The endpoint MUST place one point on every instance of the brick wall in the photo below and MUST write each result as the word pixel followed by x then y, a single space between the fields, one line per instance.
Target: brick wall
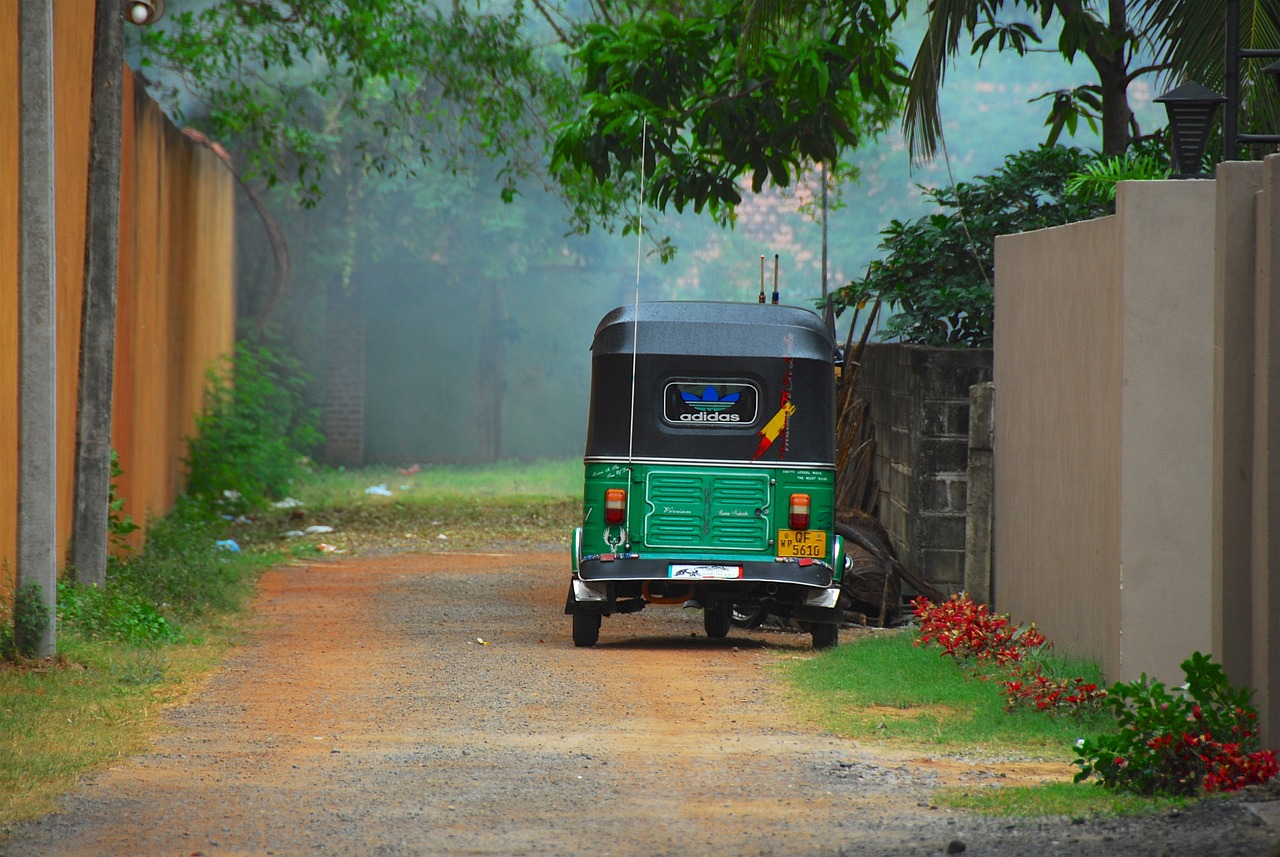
pixel 919 400
pixel 343 410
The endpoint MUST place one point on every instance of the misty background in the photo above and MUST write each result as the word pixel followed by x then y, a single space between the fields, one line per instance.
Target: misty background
pixel 477 315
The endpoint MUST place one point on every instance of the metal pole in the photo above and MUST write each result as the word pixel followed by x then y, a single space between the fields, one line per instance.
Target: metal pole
pixel 37 324
pixel 827 315
pixel 98 314
pixel 1231 116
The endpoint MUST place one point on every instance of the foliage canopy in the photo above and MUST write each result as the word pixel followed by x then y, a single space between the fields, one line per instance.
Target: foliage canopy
pixel 677 96
pixel 413 83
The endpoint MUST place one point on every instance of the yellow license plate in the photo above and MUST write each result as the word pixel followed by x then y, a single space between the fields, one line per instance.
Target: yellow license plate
pixel 810 543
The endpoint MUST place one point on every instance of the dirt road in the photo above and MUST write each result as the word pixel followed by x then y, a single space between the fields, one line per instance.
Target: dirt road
pixel 434 704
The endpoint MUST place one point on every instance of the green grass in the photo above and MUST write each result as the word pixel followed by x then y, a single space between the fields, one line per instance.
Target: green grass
pixel 446 507
pixel 884 689
pixel 887 688
pixel 340 488
pixel 93 705
pixel 1078 801
pixel 164 619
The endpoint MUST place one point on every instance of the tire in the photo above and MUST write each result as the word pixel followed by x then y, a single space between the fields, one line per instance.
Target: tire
pixel 586 628
pixel 825 636
pixel 748 616
pixel 715 618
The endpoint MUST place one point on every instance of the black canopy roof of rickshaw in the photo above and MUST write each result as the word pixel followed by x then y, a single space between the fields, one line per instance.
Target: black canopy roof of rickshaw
pixel 715 329
pixel 773 354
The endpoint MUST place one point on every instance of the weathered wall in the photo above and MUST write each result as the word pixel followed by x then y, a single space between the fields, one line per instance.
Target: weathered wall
pixel 919 399
pixel 1233 606
pixel 1263 625
pixel 1104 430
pixel 176 285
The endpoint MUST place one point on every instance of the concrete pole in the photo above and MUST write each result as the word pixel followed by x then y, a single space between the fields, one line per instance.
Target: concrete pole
pixel 98 315
pixel 37 323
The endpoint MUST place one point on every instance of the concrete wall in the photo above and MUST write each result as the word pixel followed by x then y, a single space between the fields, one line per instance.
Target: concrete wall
pixel 1166 519
pixel 1109 454
pixel 1236 238
pixel 1263 613
pixel 1057 427
pixel 919 403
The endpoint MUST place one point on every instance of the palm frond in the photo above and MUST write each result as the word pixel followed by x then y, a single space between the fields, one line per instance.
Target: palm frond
pixel 949 21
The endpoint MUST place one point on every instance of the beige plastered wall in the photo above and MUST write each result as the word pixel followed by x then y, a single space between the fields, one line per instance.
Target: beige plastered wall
pixel 1104 461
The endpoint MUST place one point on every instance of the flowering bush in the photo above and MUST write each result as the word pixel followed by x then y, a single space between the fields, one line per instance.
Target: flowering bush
pixel 972 634
pixel 1177 744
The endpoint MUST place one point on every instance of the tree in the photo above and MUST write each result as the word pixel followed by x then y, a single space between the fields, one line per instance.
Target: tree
pixel 677 97
pixel 425 84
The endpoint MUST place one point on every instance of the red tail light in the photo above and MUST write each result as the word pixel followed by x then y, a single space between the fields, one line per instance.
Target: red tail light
pixel 799 511
pixel 615 506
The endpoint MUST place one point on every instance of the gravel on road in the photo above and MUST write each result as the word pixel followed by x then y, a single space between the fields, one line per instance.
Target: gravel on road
pixel 434 704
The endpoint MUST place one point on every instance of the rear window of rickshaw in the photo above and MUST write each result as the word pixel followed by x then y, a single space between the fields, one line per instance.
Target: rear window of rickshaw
pixel 710 403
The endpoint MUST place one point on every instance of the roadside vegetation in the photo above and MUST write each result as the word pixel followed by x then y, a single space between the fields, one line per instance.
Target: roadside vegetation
pixel 963 681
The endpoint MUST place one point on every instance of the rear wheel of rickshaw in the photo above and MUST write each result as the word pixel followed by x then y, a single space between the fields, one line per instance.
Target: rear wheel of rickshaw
pixel 715 618
pixel 586 628
pixel 745 616
pixel 825 636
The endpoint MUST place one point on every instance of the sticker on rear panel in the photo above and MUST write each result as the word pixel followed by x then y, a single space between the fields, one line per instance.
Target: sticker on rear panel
pixel 697 403
pixel 704 572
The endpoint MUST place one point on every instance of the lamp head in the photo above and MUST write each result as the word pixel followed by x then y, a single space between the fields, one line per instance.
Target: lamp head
pixel 1192 109
pixel 143 12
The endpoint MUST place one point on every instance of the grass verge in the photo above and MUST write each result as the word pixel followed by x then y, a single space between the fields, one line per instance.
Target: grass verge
pixel 95 704
pixel 162 622
pixel 884 689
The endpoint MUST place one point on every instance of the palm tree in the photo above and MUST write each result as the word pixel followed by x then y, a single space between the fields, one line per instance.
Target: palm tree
pixel 1106 42
pixel 1185 37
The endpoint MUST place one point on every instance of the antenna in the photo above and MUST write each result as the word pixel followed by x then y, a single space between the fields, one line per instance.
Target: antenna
pixel 775 282
pixel 635 313
pixel 761 278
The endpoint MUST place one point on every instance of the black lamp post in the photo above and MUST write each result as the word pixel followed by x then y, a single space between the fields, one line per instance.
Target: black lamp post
pixel 1192 107
pixel 1231 136
pixel 1192 110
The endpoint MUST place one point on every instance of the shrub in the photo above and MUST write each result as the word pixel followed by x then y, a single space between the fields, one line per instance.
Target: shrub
pixel 30 618
pixel 108 613
pixel 120 525
pixel 181 567
pixel 1202 738
pixel 1017 657
pixel 253 435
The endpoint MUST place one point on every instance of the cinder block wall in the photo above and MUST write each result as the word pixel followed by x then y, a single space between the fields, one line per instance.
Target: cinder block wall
pixel 919 401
